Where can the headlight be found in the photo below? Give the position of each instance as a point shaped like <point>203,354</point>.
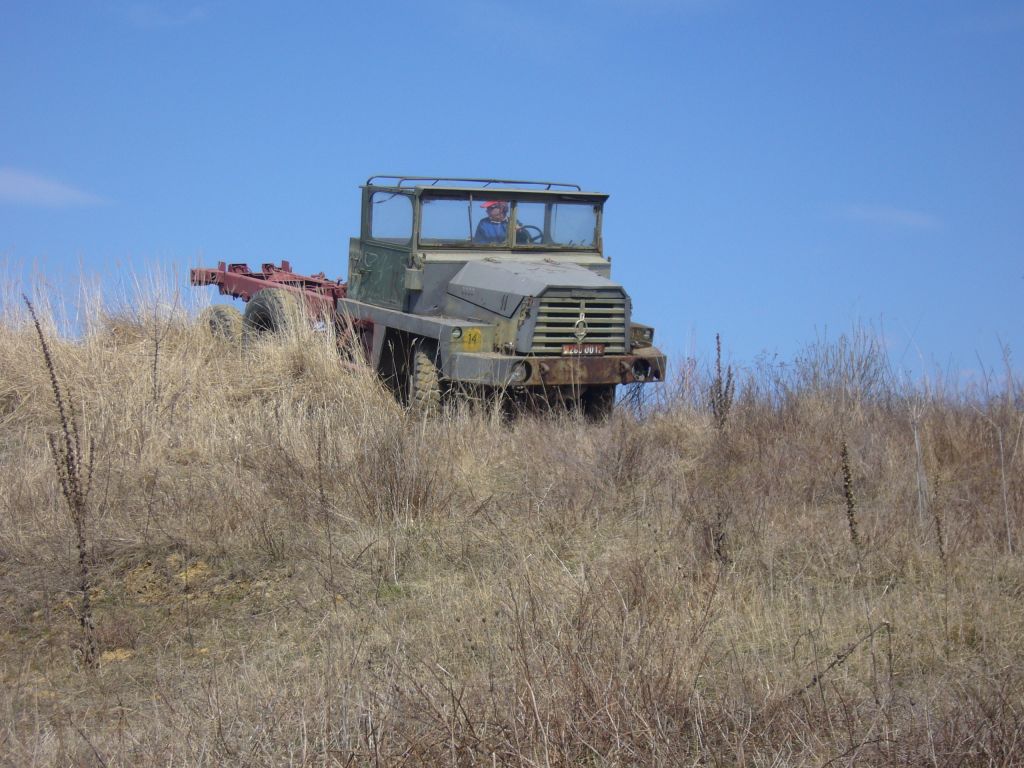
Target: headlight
<point>456,334</point>
<point>641,370</point>
<point>520,373</point>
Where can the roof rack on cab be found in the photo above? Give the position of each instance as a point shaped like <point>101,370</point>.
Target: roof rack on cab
<point>398,181</point>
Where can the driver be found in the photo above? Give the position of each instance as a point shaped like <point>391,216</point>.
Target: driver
<point>494,228</point>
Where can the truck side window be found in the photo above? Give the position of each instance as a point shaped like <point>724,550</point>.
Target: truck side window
<point>391,218</point>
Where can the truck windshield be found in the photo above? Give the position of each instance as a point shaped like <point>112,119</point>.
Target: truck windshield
<point>497,223</point>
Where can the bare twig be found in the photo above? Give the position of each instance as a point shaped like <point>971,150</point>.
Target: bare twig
<point>840,658</point>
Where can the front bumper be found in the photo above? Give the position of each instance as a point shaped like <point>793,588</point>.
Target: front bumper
<point>493,369</point>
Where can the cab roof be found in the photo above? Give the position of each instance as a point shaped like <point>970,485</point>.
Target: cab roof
<point>492,187</point>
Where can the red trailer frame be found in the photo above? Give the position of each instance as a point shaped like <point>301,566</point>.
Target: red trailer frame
<point>240,282</point>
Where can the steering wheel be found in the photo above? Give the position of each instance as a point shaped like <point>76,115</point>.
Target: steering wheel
<point>534,234</point>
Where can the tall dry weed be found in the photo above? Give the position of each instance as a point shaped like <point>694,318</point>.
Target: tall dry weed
<point>74,470</point>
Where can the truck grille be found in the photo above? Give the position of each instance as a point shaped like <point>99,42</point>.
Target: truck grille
<point>558,311</point>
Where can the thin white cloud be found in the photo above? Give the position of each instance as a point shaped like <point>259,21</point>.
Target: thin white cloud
<point>890,216</point>
<point>156,15</point>
<point>29,189</point>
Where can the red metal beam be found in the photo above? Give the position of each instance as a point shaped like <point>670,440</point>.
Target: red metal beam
<point>239,281</point>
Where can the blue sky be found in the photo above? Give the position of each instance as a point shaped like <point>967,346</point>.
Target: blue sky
<point>777,171</point>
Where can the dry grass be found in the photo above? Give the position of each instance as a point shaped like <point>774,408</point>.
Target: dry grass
<point>285,568</point>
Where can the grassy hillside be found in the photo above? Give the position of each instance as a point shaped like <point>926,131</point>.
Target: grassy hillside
<point>283,567</point>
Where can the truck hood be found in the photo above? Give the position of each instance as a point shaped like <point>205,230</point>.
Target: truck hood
<point>500,286</point>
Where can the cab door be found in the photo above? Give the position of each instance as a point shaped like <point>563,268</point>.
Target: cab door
<point>377,267</point>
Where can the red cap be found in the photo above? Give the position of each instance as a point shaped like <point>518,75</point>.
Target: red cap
<point>489,203</point>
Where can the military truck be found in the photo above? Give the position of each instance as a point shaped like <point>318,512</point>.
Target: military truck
<point>463,287</point>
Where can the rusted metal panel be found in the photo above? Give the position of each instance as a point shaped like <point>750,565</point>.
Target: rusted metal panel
<point>495,369</point>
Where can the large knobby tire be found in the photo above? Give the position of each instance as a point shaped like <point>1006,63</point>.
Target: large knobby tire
<point>424,384</point>
<point>599,402</point>
<point>271,311</point>
<point>223,321</point>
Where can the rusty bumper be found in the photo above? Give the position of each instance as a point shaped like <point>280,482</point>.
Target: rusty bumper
<point>643,365</point>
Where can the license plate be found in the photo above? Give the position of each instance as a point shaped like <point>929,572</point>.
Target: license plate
<point>576,350</point>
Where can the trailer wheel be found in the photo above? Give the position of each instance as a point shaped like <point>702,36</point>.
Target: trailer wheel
<point>223,321</point>
<point>599,402</point>
<point>424,384</point>
<point>270,311</point>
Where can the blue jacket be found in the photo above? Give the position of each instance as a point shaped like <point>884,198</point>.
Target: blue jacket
<point>488,231</point>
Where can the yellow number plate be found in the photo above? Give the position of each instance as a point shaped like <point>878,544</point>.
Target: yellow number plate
<point>472,339</point>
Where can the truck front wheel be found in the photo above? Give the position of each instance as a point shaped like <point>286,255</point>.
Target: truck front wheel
<point>423,384</point>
